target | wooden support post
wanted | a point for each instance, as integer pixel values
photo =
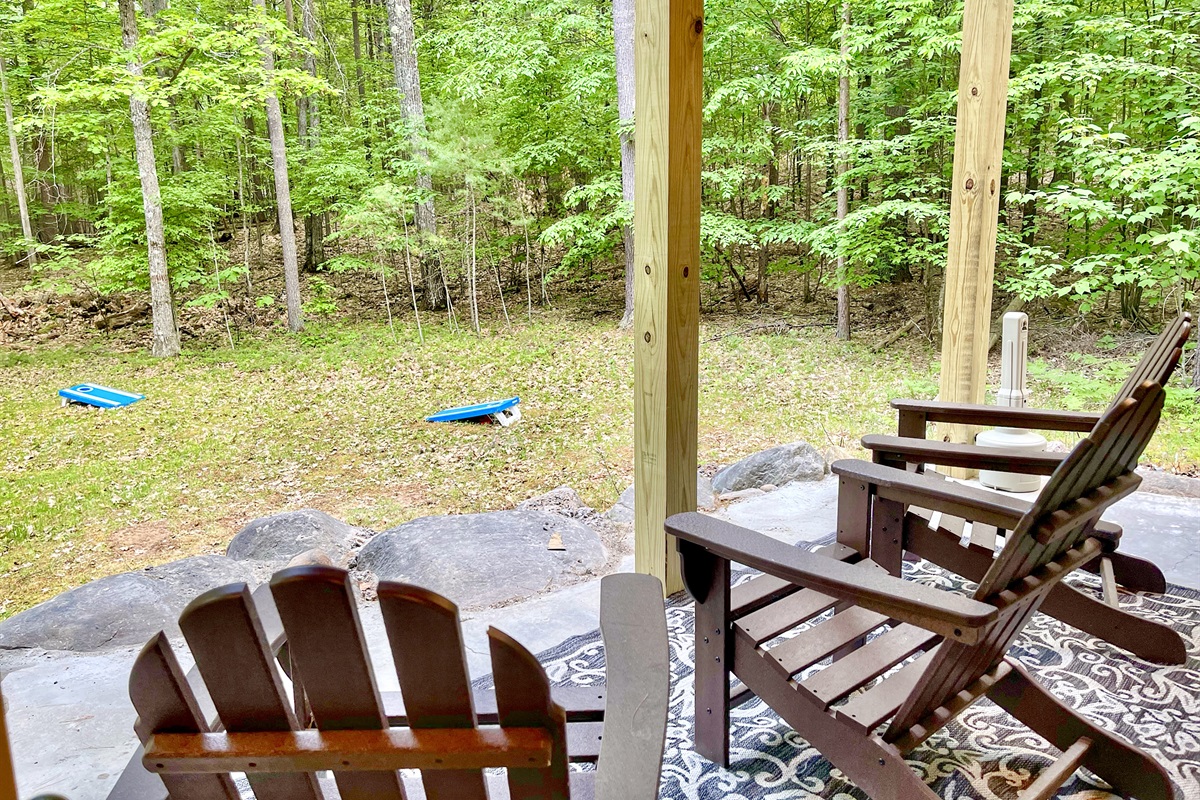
(975, 204)
(668, 50)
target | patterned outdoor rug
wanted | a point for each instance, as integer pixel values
(985, 754)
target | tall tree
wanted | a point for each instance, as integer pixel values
(18, 173)
(166, 335)
(843, 199)
(412, 108)
(283, 191)
(623, 28)
(310, 131)
(767, 204)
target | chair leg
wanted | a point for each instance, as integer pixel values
(1134, 573)
(1152, 641)
(1129, 770)
(707, 580)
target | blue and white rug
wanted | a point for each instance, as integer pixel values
(985, 754)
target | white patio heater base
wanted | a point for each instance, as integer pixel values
(1018, 441)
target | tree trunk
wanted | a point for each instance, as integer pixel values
(1196, 357)
(412, 108)
(767, 207)
(843, 200)
(359, 83)
(623, 27)
(1032, 177)
(860, 133)
(18, 173)
(166, 335)
(283, 192)
(314, 239)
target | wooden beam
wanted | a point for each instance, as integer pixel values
(975, 203)
(668, 50)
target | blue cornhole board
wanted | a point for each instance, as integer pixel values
(90, 394)
(503, 411)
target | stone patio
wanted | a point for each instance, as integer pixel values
(72, 725)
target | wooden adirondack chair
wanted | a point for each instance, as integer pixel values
(336, 718)
(963, 640)
(911, 450)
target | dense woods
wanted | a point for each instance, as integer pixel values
(463, 153)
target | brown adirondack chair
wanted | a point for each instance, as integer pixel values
(963, 640)
(337, 719)
(911, 450)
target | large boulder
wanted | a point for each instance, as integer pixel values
(281, 537)
(480, 560)
(563, 500)
(119, 610)
(798, 461)
(623, 511)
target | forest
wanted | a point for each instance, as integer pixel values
(465, 155)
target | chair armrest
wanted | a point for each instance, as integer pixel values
(973, 414)
(937, 494)
(951, 615)
(950, 454)
(633, 622)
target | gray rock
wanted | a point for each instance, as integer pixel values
(798, 461)
(1157, 481)
(311, 558)
(834, 453)
(480, 560)
(706, 500)
(563, 500)
(119, 610)
(281, 537)
(768, 487)
(740, 494)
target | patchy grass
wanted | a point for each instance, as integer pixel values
(332, 419)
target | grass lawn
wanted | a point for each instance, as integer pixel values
(332, 419)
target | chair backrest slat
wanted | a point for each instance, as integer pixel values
(427, 647)
(1110, 451)
(226, 638)
(1097, 473)
(332, 664)
(165, 704)
(523, 700)
(1159, 360)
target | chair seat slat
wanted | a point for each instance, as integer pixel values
(867, 663)
(763, 590)
(867, 710)
(821, 641)
(759, 591)
(790, 611)
(582, 704)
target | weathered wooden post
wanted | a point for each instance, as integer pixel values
(668, 50)
(975, 203)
